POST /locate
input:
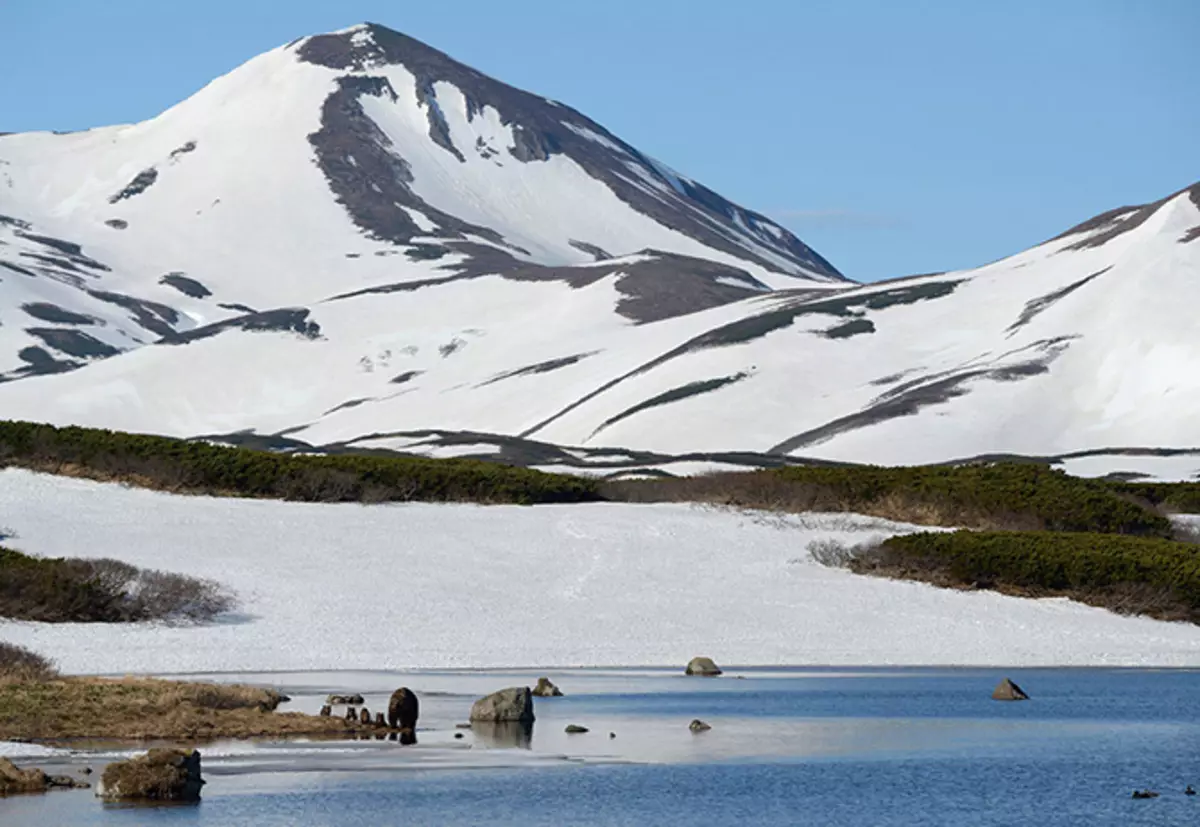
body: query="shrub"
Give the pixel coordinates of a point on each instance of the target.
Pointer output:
(1143, 575)
(19, 665)
(60, 590)
(200, 467)
(999, 496)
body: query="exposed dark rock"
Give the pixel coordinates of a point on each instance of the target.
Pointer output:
(540, 367)
(910, 397)
(540, 130)
(73, 342)
(140, 183)
(576, 729)
(598, 253)
(699, 726)
(353, 403)
(69, 249)
(186, 286)
(407, 376)
(1006, 690)
(674, 395)
(285, 320)
(341, 700)
(190, 146)
(240, 308)
(46, 312)
(1145, 794)
(703, 667)
(159, 775)
(453, 346)
(117, 223)
(1035, 306)
(153, 316)
(854, 327)
(18, 269)
(41, 362)
(9, 221)
(513, 704)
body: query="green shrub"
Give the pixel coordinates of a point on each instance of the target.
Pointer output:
(57, 590)
(1180, 497)
(200, 467)
(993, 496)
(1146, 575)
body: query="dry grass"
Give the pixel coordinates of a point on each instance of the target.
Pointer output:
(149, 709)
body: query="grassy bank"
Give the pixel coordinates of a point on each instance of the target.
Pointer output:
(1131, 575)
(201, 468)
(144, 709)
(1000, 497)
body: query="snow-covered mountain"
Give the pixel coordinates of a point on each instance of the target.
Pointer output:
(354, 241)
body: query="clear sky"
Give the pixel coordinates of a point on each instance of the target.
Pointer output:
(894, 137)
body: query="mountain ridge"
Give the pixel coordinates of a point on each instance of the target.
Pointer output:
(354, 242)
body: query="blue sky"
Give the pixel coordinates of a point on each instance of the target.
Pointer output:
(895, 138)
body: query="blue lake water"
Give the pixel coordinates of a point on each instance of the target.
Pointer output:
(837, 747)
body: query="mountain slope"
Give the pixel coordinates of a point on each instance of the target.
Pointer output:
(354, 242)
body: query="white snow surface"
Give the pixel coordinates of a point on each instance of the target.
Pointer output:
(1049, 352)
(431, 586)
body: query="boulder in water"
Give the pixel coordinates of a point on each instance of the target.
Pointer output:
(699, 726)
(546, 689)
(576, 729)
(513, 704)
(344, 700)
(16, 780)
(159, 775)
(704, 667)
(1006, 690)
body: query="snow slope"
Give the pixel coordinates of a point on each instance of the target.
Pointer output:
(355, 241)
(364, 587)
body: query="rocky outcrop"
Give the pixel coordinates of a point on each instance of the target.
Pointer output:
(159, 775)
(513, 704)
(699, 726)
(703, 667)
(16, 780)
(546, 689)
(1006, 690)
(575, 729)
(346, 700)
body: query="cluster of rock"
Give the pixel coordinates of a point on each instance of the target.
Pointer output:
(15, 780)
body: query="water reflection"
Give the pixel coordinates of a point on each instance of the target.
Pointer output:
(503, 734)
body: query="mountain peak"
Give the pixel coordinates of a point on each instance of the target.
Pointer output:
(377, 62)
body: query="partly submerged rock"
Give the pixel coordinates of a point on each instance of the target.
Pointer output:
(159, 775)
(1145, 794)
(66, 782)
(546, 689)
(699, 726)
(1006, 690)
(703, 667)
(345, 700)
(513, 704)
(13, 779)
(576, 729)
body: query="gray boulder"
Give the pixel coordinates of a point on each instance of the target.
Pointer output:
(513, 704)
(546, 689)
(159, 775)
(575, 729)
(699, 726)
(345, 700)
(703, 667)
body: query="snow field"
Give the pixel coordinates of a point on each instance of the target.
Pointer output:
(440, 586)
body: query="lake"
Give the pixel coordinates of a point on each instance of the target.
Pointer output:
(885, 747)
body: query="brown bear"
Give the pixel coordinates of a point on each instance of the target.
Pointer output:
(364, 717)
(403, 709)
